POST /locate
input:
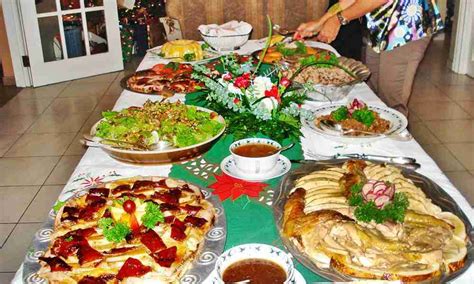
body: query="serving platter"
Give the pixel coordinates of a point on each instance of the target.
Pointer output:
(430, 188)
(201, 267)
(398, 123)
(166, 92)
(161, 156)
(207, 54)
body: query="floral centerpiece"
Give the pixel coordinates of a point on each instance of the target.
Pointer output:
(253, 100)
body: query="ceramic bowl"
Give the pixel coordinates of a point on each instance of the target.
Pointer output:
(226, 43)
(252, 251)
(255, 165)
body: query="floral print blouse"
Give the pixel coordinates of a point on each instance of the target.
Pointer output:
(400, 21)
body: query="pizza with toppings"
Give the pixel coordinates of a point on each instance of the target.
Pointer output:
(164, 79)
(128, 231)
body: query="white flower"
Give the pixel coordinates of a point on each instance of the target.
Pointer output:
(260, 85)
(268, 104)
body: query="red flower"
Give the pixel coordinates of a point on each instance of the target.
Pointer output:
(236, 101)
(285, 82)
(243, 81)
(227, 77)
(273, 93)
(227, 186)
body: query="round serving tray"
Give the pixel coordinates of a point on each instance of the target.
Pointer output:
(166, 92)
(430, 188)
(201, 267)
(165, 156)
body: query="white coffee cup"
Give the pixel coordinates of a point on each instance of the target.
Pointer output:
(255, 165)
(254, 251)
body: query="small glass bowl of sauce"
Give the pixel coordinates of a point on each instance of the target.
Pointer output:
(255, 263)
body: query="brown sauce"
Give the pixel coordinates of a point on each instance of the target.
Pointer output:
(255, 150)
(256, 270)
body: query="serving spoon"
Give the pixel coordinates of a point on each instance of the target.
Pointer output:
(283, 31)
(331, 125)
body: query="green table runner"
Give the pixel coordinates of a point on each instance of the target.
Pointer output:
(249, 220)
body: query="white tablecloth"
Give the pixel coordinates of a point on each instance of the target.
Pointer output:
(96, 165)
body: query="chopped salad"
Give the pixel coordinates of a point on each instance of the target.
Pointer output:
(176, 123)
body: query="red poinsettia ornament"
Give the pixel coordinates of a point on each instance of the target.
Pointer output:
(227, 186)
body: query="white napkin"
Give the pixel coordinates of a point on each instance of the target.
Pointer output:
(227, 29)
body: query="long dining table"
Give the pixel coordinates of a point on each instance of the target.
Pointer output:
(96, 166)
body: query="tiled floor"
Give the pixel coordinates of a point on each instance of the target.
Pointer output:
(40, 128)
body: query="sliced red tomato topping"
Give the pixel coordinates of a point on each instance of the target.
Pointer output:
(195, 221)
(171, 197)
(56, 264)
(169, 219)
(191, 209)
(152, 241)
(178, 230)
(132, 268)
(166, 257)
(121, 188)
(86, 254)
(168, 207)
(139, 184)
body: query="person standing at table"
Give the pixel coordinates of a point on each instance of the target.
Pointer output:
(348, 41)
(399, 32)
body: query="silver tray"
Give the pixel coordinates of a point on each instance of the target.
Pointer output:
(430, 188)
(201, 267)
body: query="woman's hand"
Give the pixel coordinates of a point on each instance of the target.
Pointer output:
(329, 30)
(307, 29)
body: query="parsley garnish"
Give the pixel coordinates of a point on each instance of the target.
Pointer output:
(205, 46)
(340, 113)
(68, 239)
(152, 215)
(368, 211)
(364, 115)
(189, 57)
(113, 231)
(173, 65)
(58, 206)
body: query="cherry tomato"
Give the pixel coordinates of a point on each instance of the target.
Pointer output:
(129, 206)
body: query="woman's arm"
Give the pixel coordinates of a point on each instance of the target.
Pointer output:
(361, 7)
(329, 28)
(311, 28)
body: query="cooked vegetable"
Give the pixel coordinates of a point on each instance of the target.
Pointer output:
(176, 123)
